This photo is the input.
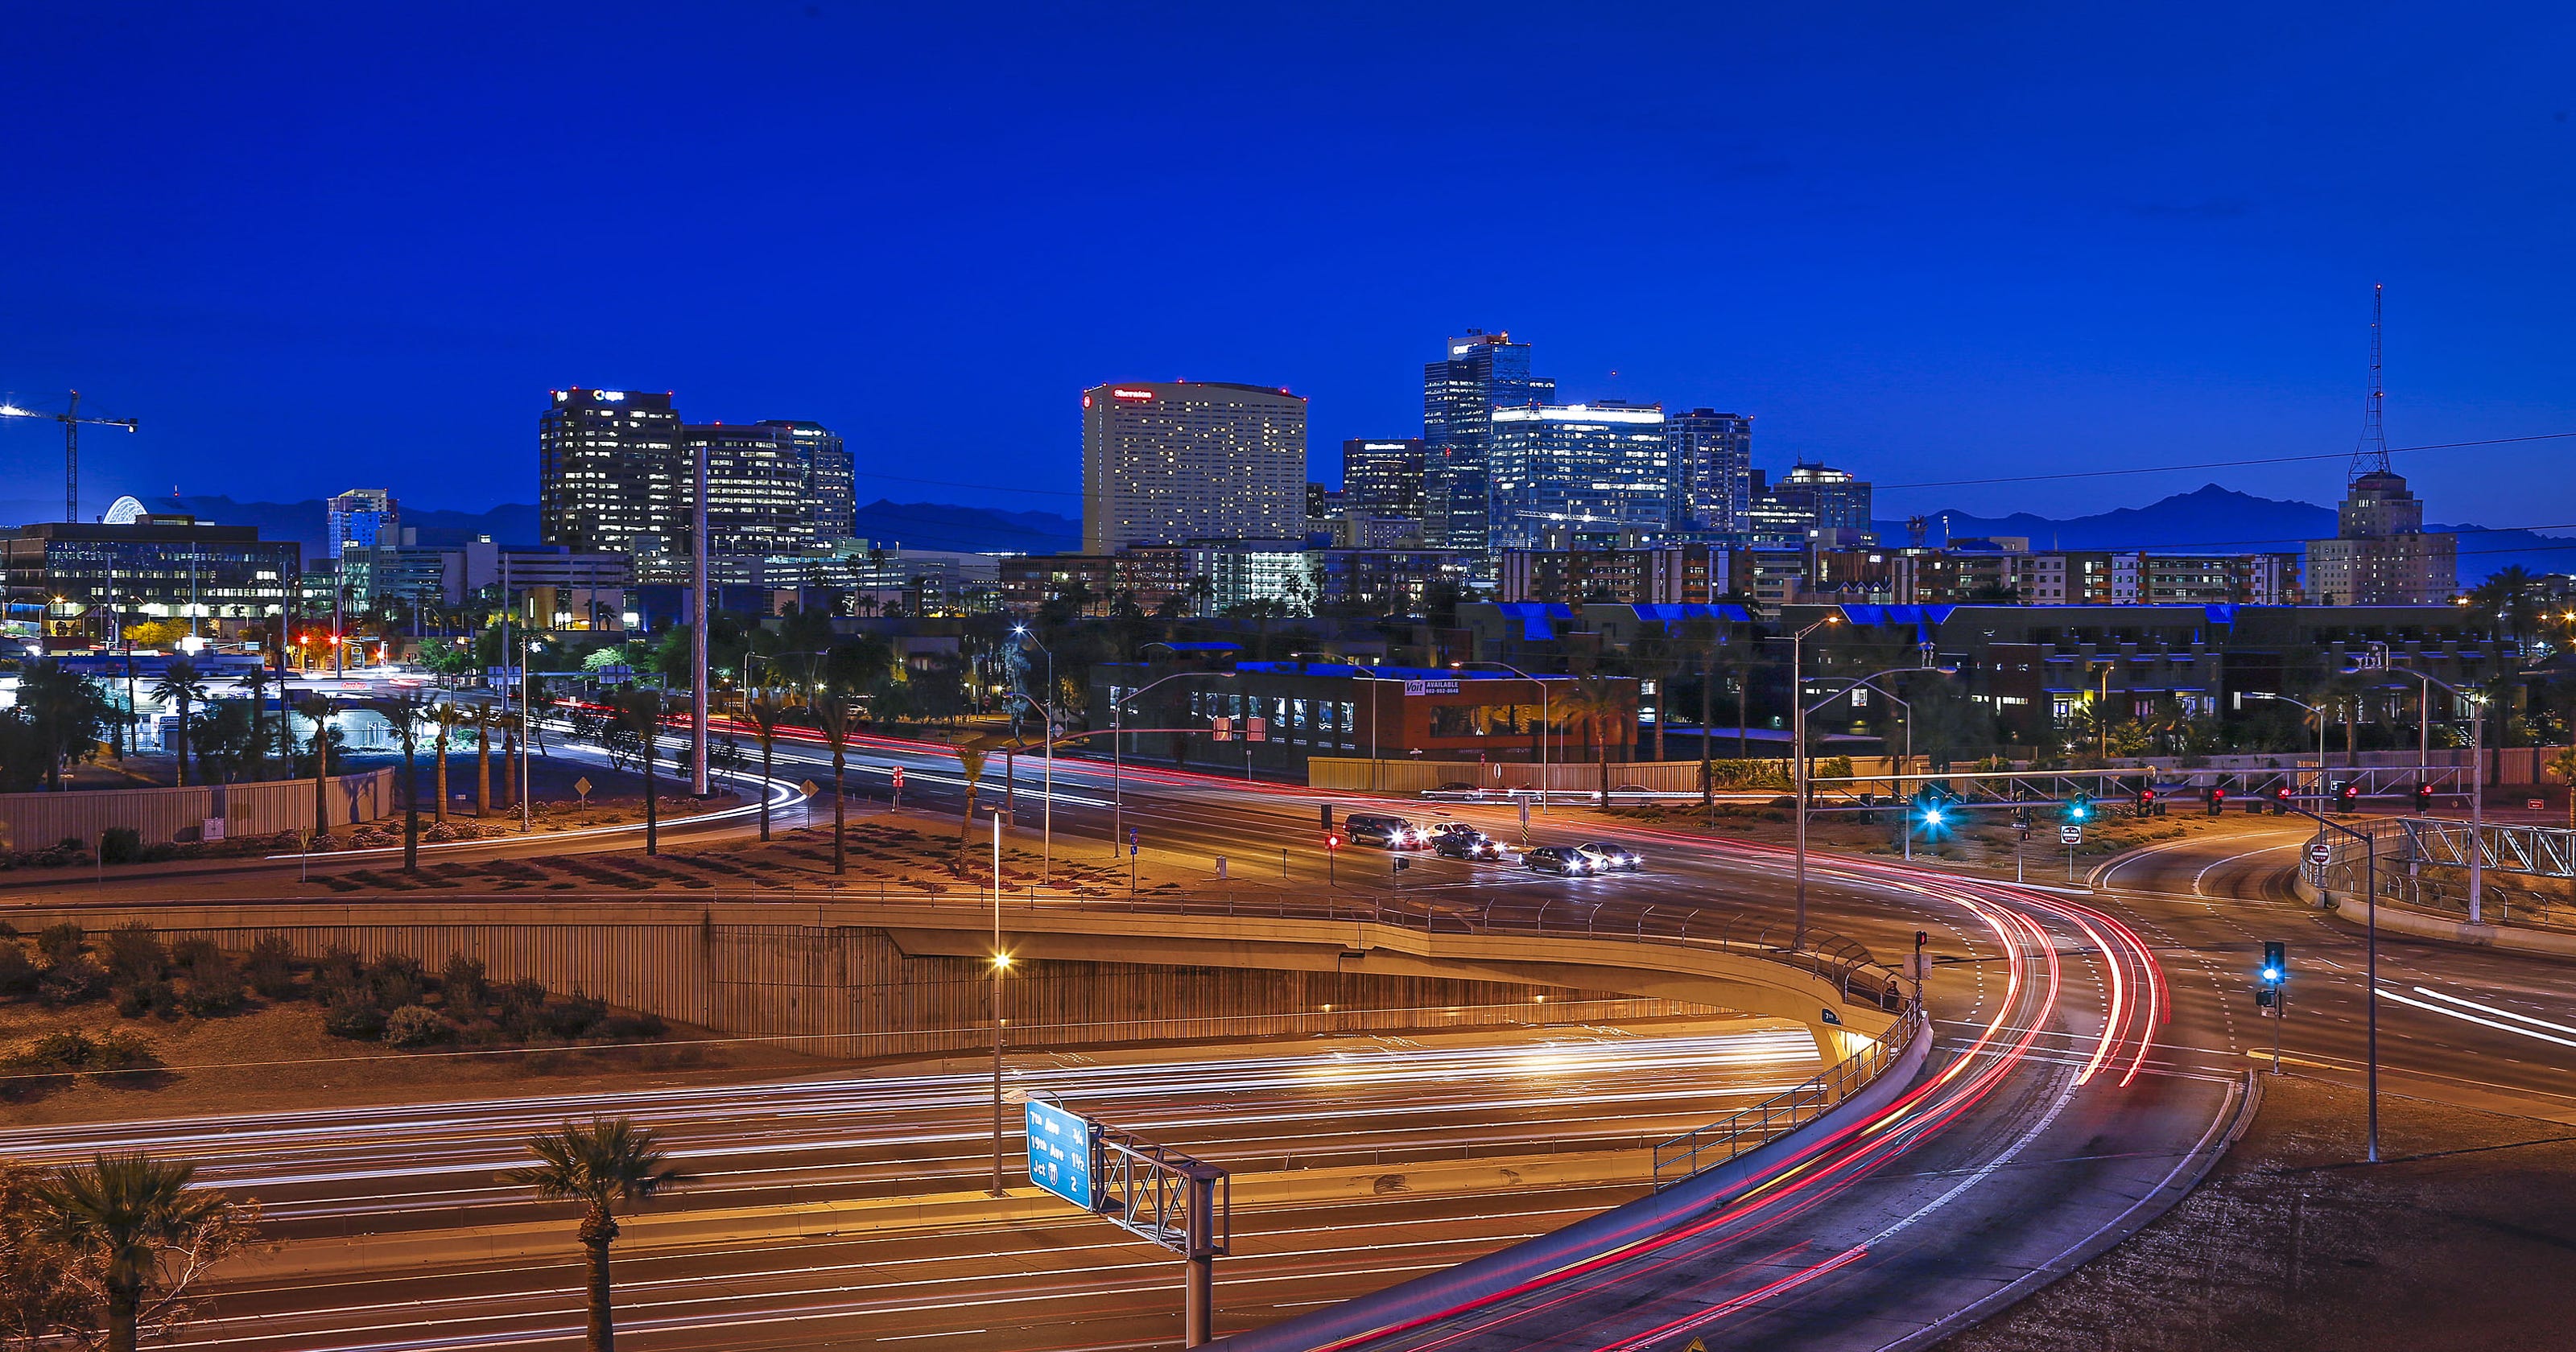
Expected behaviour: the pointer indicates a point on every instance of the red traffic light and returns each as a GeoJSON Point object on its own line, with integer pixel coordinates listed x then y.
{"type": "Point", "coordinates": [2218, 794]}
{"type": "Point", "coordinates": [1332, 842]}
{"type": "Point", "coordinates": [2282, 793]}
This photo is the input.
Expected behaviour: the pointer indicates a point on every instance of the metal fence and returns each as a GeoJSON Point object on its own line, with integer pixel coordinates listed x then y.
{"type": "Point", "coordinates": [30, 821]}
{"type": "Point", "coordinates": [1704, 1148]}
{"type": "Point", "coordinates": [2423, 863]}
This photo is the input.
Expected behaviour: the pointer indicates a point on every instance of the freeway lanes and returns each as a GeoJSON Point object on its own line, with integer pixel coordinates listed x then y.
{"type": "Point", "coordinates": [2480, 1027]}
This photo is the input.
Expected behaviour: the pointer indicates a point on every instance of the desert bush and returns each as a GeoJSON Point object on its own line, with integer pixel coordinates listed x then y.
{"type": "Point", "coordinates": [416, 1026]}
{"type": "Point", "coordinates": [630, 1027]}
{"type": "Point", "coordinates": [120, 845]}
{"type": "Point", "coordinates": [523, 1007]}
{"type": "Point", "coordinates": [17, 972]}
{"type": "Point", "coordinates": [576, 1016]}
{"type": "Point", "coordinates": [214, 984]}
{"type": "Point", "coordinates": [397, 980]}
{"type": "Point", "coordinates": [71, 981]}
{"type": "Point", "coordinates": [188, 952]}
{"type": "Point", "coordinates": [271, 967]}
{"type": "Point", "coordinates": [60, 943]}
{"type": "Point", "coordinates": [339, 970]}
{"type": "Point", "coordinates": [135, 954]}
{"type": "Point", "coordinates": [353, 1014]}
{"type": "Point", "coordinates": [466, 985]}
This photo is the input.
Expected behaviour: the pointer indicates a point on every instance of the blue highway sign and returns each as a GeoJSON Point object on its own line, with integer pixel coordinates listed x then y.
{"type": "Point", "coordinates": [1060, 1152]}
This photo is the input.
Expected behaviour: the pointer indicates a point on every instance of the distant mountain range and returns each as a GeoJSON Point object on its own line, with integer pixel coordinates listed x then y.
{"type": "Point", "coordinates": [920, 525]}
{"type": "Point", "coordinates": [2214, 519]}
{"type": "Point", "coordinates": [2210, 518]}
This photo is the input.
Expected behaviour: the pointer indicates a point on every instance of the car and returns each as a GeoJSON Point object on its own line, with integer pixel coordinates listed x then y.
{"type": "Point", "coordinates": [1466, 842]}
{"type": "Point", "coordinates": [1613, 857]}
{"type": "Point", "coordinates": [1563, 859]}
{"type": "Point", "coordinates": [1394, 833]}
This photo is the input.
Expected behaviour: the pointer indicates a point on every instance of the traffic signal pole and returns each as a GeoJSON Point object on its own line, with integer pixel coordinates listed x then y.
{"type": "Point", "coordinates": [2370, 887]}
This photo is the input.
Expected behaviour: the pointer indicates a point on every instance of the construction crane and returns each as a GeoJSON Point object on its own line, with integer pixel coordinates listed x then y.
{"type": "Point", "coordinates": [72, 422]}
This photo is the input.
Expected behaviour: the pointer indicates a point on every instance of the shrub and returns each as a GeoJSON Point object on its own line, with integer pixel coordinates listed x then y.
{"type": "Point", "coordinates": [186, 953]}
{"type": "Point", "coordinates": [214, 985]}
{"type": "Point", "coordinates": [60, 943]}
{"type": "Point", "coordinates": [396, 980]}
{"type": "Point", "coordinates": [631, 1027]}
{"type": "Point", "coordinates": [523, 1007]}
{"type": "Point", "coordinates": [271, 967]}
{"type": "Point", "coordinates": [135, 954]}
{"type": "Point", "coordinates": [338, 970]}
{"type": "Point", "coordinates": [71, 981]}
{"type": "Point", "coordinates": [17, 973]}
{"type": "Point", "coordinates": [120, 845]}
{"type": "Point", "coordinates": [467, 986]}
{"type": "Point", "coordinates": [123, 1049]}
{"type": "Point", "coordinates": [353, 1014]}
{"type": "Point", "coordinates": [576, 1016]}
{"type": "Point", "coordinates": [416, 1026]}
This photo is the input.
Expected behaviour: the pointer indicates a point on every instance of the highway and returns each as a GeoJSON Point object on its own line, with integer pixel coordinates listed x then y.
{"type": "Point", "coordinates": [2092, 1045]}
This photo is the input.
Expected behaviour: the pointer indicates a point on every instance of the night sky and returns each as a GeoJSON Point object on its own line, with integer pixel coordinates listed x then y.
{"type": "Point", "coordinates": [321, 247]}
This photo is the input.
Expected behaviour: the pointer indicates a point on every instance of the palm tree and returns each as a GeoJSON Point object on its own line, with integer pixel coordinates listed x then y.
{"type": "Point", "coordinates": [765, 708]}
{"type": "Point", "coordinates": [643, 711]}
{"type": "Point", "coordinates": [484, 718]}
{"type": "Point", "coordinates": [126, 1213]}
{"type": "Point", "coordinates": [180, 685]}
{"type": "Point", "coordinates": [255, 683]}
{"type": "Point", "coordinates": [404, 713]}
{"type": "Point", "coordinates": [316, 707]}
{"type": "Point", "coordinates": [598, 1165]}
{"type": "Point", "coordinates": [1596, 703]}
{"type": "Point", "coordinates": [447, 718]}
{"type": "Point", "coordinates": [832, 714]}
{"type": "Point", "coordinates": [2563, 765]}
{"type": "Point", "coordinates": [971, 760]}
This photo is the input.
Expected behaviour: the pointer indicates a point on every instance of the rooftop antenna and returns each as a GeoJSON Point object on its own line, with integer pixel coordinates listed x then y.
{"type": "Point", "coordinates": [2370, 456]}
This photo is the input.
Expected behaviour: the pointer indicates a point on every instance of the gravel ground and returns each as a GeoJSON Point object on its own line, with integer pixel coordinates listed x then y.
{"type": "Point", "coordinates": [2465, 1238]}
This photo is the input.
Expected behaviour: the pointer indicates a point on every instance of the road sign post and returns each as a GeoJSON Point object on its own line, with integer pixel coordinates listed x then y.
{"type": "Point", "coordinates": [2073, 836]}
{"type": "Point", "coordinates": [1184, 1204]}
{"type": "Point", "coordinates": [898, 788]}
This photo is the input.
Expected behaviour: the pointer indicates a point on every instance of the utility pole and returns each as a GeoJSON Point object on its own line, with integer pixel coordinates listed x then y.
{"type": "Point", "coordinates": [698, 631]}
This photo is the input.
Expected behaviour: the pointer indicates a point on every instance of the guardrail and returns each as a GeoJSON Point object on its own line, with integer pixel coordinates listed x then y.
{"type": "Point", "coordinates": [1704, 1148]}
{"type": "Point", "coordinates": [2410, 846]}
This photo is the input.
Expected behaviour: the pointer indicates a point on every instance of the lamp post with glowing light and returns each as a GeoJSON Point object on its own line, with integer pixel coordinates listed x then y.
{"type": "Point", "coordinates": [1798, 735]}
{"type": "Point", "coordinates": [1001, 966]}
{"type": "Point", "coordinates": [1871, 682]}
{"type": "Point", "coordinates": [1118, 747]}
{"type": "Point", "coordinates": [1046, 710]}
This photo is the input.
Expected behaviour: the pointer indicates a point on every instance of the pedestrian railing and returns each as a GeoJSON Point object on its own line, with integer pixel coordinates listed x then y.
{"type": "Point", "coordinates": [1701, 1149]}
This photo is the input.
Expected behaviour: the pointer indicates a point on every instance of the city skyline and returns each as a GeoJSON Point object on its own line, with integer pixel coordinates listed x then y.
{"type": "Point", "coordinates": [2085, 290]}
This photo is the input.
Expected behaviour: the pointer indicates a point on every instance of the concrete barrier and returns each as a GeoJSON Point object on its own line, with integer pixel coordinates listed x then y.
{"type": "Point", "coordinates": [35, 821]}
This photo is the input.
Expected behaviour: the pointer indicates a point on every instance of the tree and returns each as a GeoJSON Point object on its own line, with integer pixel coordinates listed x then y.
{"type": "Point", "coordinates": [141, 1234]}
{"type": "Point", "coordinates": [69, 713]}
{"type": "Point", "coordinates": [485, 718]}
{"type": "Point", "coordinates": [971, 760]}
{"type": "Point", "coordinates": [316, 707]}
{"type": "Point", "coordinates": [832, 714]}
{"type": "Point", "coordinates": [180, 685]}
{"type": "Point", "coordinates": [597, 1165]}
{"type": "Point", "coordinates": [225, 741]}
{"type": "Point", "coordinates": [1596, 702]}
{"type": "Point", "coordinates": [447, 718]}
{"type": "Point", "coordinates": [641, 712]}
{"type": "Point", "coordinates": [765, 708]}
{"type": "Point", "coordinates": [256, 683]}
{"type": "Point", "coordinates": [404, 713]}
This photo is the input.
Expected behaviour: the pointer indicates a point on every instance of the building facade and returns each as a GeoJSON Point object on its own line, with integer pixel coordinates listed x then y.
{"type": "Point", "coordinates": [1811, 504]}
{"type": "Point", "coordinates": [363, 518]}
{"type": "Point", "coordinates": [1169, 461]}
{"type": "Point", "coordinates": [1712, 464]}
{"type": "Point", "coordinates": [609, 469]}
{"type": "Point", "coordinates": [2381, 553]}
{"type": "Point", "coordinates": [78, 584]}
{"type": "Point", "coordinates": [1383, 476]}
{"type": "Point", "coordinates": [1598, 471]}
{"type": "Point", "coordinates": [1479, 372]}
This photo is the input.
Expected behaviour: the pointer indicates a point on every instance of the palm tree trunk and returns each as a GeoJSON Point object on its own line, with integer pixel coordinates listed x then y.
{"type": "Point", "coordinates": [440, 811]}
{"type": "Point", "coordinates": [652, 819]}
{"type": "Point", "coordinates": [509, 767]}
{"type": "Point", "coordinates": [321, 780]}
{"type": "Point", "coordinates": [597, 1229]}
{"type": "Point", "coordinates": [483, 770]}
{"type": "Point", "coordinates": [1707, 770]}
{"type": "Point", "coordinates": [411, 810]}
{"type": "Point", "coordinates": [765, 749]}
{"type": "Point", "coordinates": [183, 742]}
{"type": "Point", "coordinates": [1743, 739]}
{"type": "Point", "coordinates": [840, 862]}
{"type": "Point", "coordinates": [124, 1304]}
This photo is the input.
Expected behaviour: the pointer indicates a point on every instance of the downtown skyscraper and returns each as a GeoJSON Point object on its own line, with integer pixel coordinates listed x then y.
{"type": "Point", "coordinates": [1477, 374]}
{"type": "Point", "coordinates": [1168, 462]}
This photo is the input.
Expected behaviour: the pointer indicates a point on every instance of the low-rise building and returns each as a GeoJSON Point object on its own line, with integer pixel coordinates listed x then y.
{"type": "Point", "coordinates": [74, 584]}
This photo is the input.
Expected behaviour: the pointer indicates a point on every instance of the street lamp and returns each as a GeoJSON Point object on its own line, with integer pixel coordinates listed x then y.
{"type": "Point", "coordinates": [1001, 966]}
{"type": "Point", "coordinates": [1118, 747]}
{"type": "Point", "coordinates": [1798, 702]}
{"type": "Point", "coordinates": [2318, 713]}
{"type": "Point", "coordinates": [2477, 773]}
{"type": "Point", "coordinates": [1046, 852]}
{"type": "Point", "coordinates": [1542, 719]}
{"type": "Point", "coordinates": [1046, 811]}
{"type": "Point", "coordinates": [1798, 735]}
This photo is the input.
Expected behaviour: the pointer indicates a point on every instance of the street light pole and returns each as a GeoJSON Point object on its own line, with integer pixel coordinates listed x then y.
{"type": "Point", "coordinates": [1798, 749]}
{"type": "Point", "coordinates": [2477, 785]}
{"type": "Point", "coordinates": [2314, 712]}
{"type": "Point", "coordinates": [1046, 809]}
{"type": "Point", "coordinates": [527, 791]}
{"type": "Point", "coordinates": [1117, 753]}
{"type": "Point", "coordinates": [1001, 965]}
{"type": "Point", "coordinates": [1542, 720]}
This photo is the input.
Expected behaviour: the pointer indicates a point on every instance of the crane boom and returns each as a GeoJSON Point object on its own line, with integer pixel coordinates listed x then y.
{"type": "Point", "coordinates": [72, 423]}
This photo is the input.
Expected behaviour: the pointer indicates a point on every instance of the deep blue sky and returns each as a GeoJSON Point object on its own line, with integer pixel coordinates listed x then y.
{"type": "Point", "coordinates": [320, 247]}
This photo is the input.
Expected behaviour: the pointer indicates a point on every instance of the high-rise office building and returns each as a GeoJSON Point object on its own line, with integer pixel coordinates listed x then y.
{"type": "Point", "coordinates": [1602, 471]}
{"type": "Point", "coordinates": [1812, 505]}
{"type": "Point", "coordinates": [1165, 462]}
{"type": "Point", "coordinates": [1712, 460]}
{"type": "Point", "coordinates": [773, 487]}
{"type": "Point", "coordinates": [2381, 554]}
{"type": "Point", "coordinates": [1479, 373]}
{"type": "Point", "coordinates": [609, 469]}
{"type": "Point", "coordinates": [364, 517]}
{"type": "Point", "coordinates": [1382, 476]}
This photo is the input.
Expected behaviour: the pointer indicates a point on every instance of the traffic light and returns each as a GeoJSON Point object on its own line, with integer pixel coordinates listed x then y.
{"type": "Point", "coordinates": [2348, 796]}
{"type": "Point", "coordinates": [1332, 842]}
{"type": "Point", "coordinates": [2423, 798]}
{"type": "Point", "coordinates": [2217, 799]}
{"type": "Point", "coordinates": [2080, 808]}
{"type": "Point", "coordinates": [2276, 962]}
{"type": "Point", "coordinates": [2146, 800]}
{"type": "Point", "coordinates": [1328, 816]}
{"type": "Point", "coordinates": [2281, 800]}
